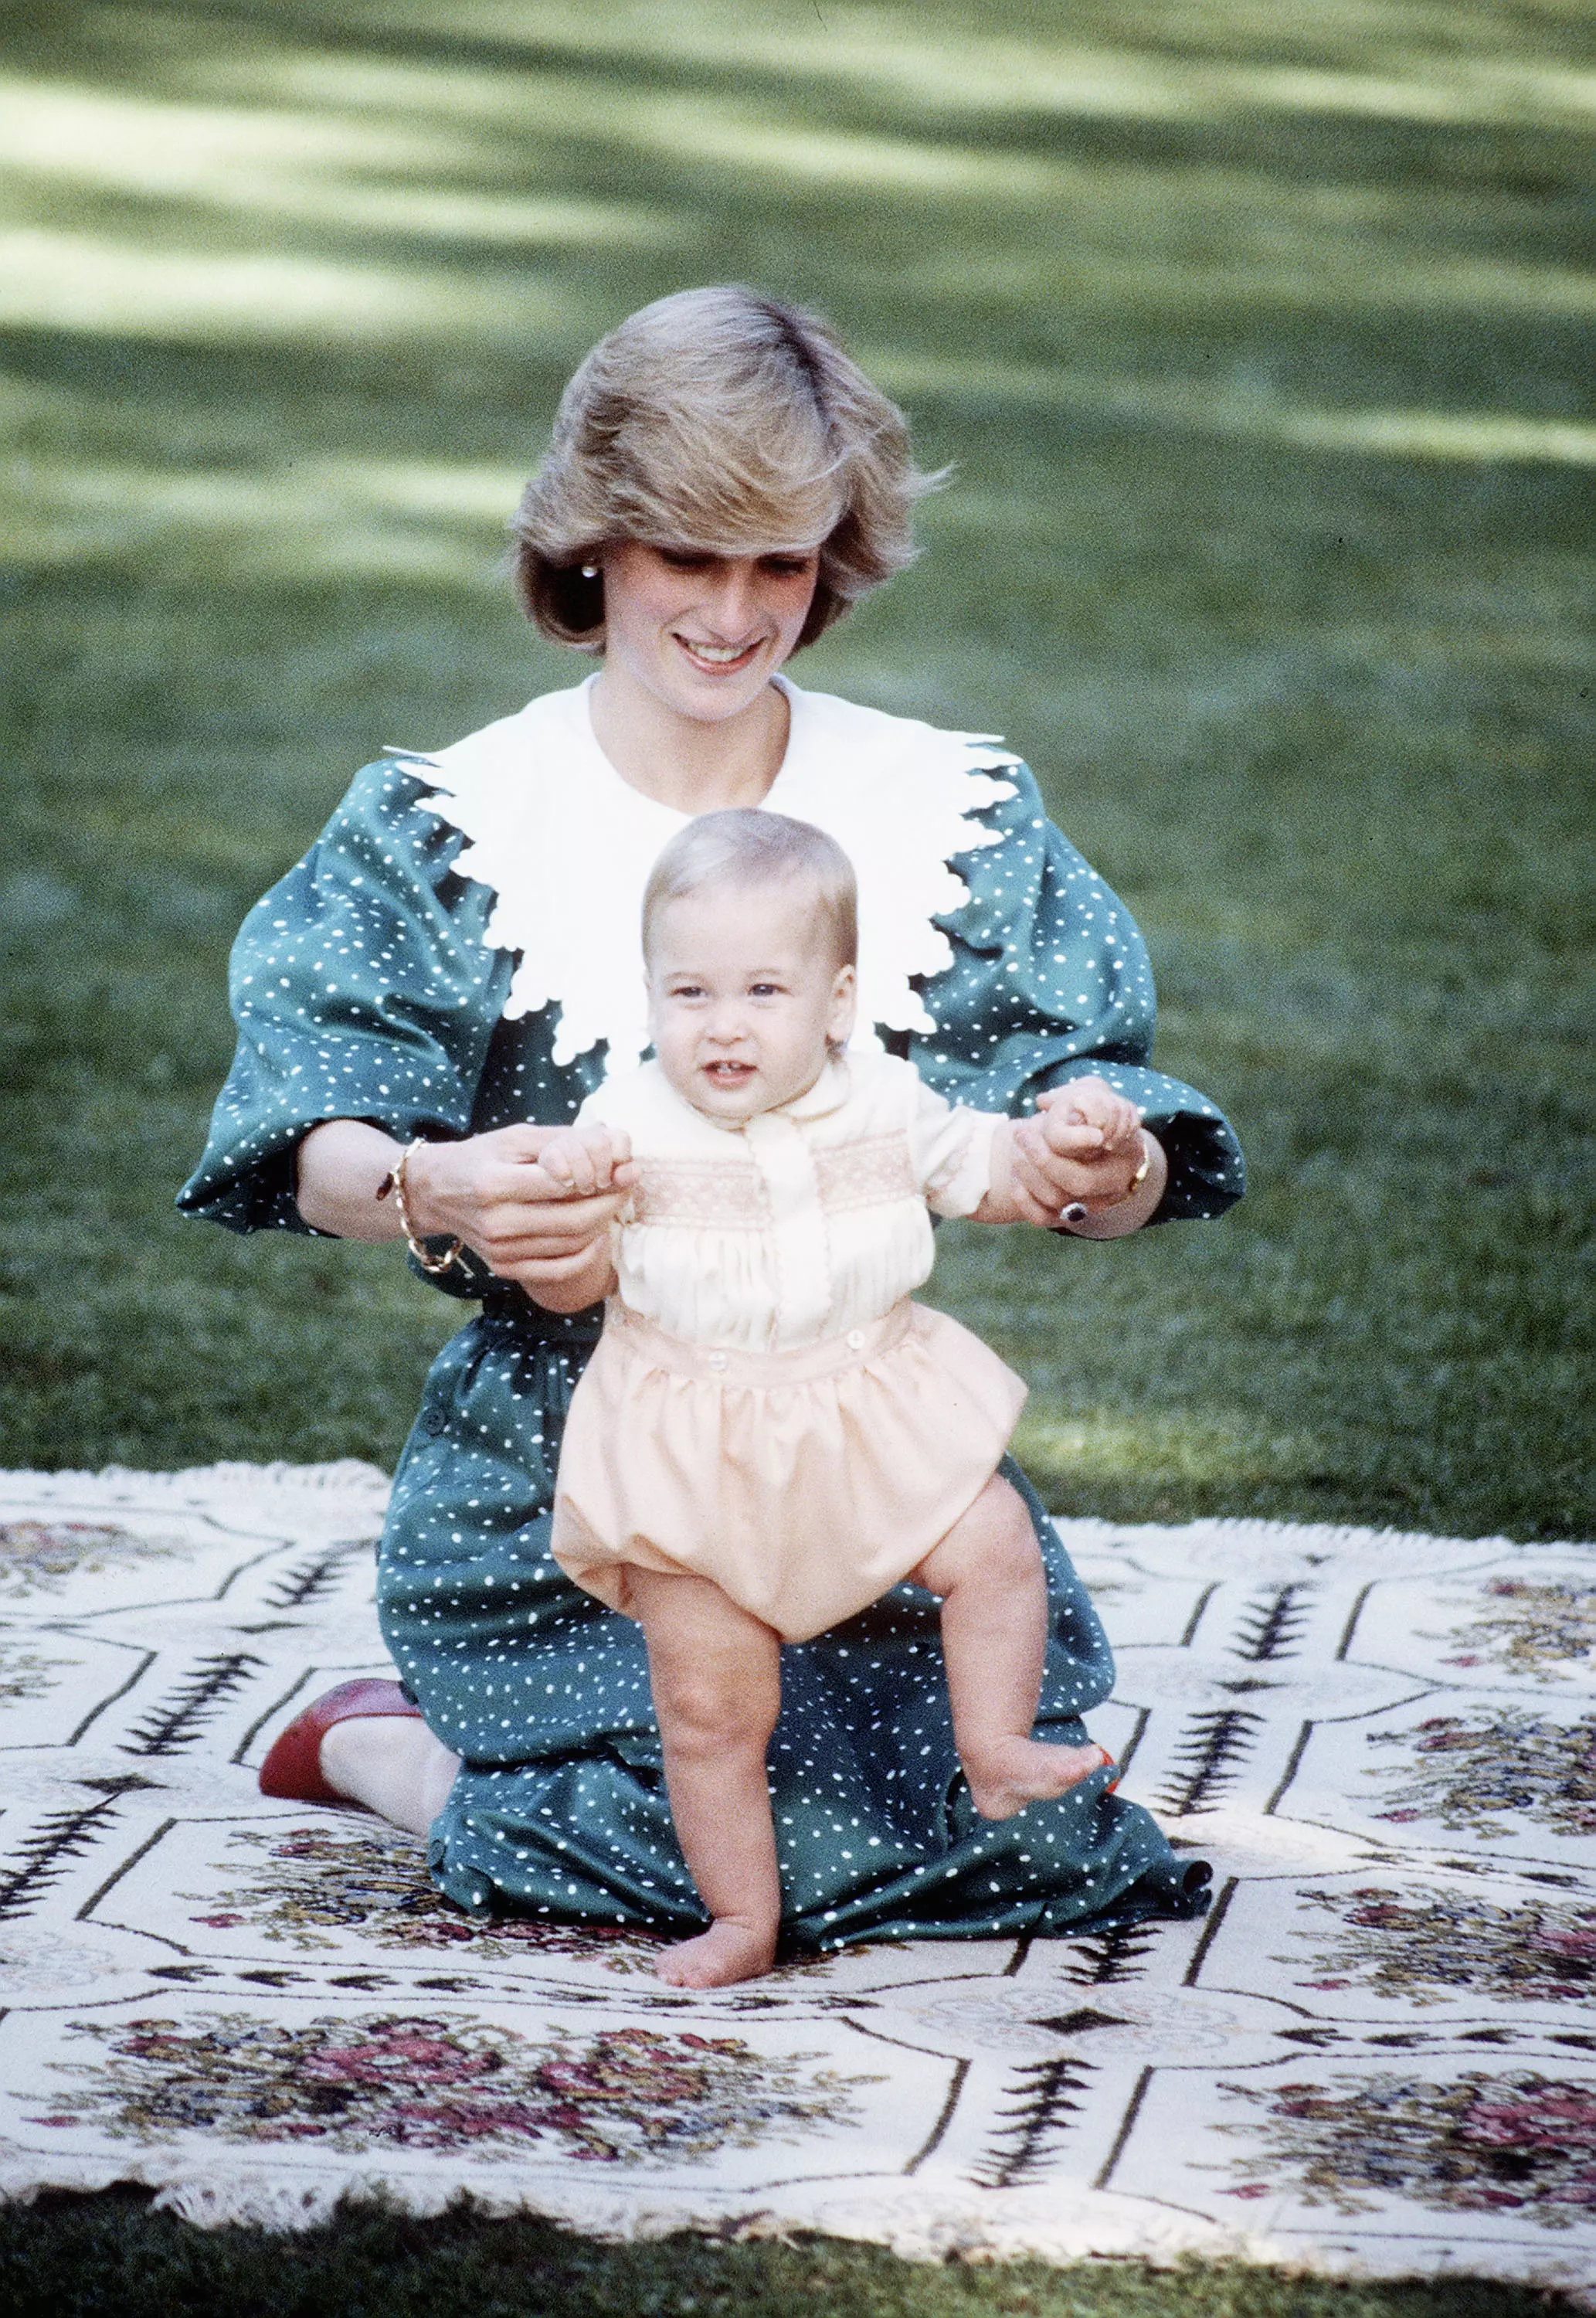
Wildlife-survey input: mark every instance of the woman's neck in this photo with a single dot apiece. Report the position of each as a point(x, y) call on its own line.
point(692, 765)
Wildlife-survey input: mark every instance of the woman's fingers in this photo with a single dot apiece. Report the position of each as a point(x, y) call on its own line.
point(1043, 1174)
point(506, 1146)
point(1055, 1179)
point(591, 1175)
point(546, 1226)
point(472, 1188)
point(1032, 1209)
point(569, 1286)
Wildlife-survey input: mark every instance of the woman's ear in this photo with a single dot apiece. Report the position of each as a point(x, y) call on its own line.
point(845, 994)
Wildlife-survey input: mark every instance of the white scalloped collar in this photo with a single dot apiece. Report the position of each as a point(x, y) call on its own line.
point(566, 845)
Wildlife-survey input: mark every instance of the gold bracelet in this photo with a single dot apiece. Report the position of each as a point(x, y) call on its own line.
point(395, 1182)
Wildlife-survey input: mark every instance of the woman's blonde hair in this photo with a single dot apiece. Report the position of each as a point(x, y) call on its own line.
point(719, 420)
point(745, 846)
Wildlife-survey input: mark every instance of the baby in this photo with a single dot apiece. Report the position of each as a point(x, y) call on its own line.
point(770, 1435)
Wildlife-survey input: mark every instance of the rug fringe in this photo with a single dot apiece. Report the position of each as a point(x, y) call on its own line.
point(343, 1475)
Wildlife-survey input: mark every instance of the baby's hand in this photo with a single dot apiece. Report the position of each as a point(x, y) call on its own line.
point(582, 1160)
point(1085, 1120)
point(1081, 1152)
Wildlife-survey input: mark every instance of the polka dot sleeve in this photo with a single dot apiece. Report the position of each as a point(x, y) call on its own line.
point(363, 989)
point(1050, 981)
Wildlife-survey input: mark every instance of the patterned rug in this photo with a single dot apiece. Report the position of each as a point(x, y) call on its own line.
point(1372, 2055)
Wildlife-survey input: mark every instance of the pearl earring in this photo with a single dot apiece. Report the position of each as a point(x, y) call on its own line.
point(589, 570)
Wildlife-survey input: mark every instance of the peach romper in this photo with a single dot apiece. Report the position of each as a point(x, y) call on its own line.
point(766, 1406)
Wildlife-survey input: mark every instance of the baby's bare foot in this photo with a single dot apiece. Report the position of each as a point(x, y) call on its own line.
point(727, 1951)
point(1015, 1771)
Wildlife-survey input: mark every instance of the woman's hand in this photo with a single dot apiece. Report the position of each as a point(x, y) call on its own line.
point(525, 1225)
point(488, 1190)
point(1077, 1161)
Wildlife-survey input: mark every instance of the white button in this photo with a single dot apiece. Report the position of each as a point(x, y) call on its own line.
point(855, 1340)
point(717, 1359)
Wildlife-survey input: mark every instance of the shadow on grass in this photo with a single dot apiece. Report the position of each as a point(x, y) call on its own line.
point(68, 2256)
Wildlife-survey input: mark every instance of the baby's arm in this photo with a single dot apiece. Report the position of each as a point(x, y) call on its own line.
point(1084, 1162)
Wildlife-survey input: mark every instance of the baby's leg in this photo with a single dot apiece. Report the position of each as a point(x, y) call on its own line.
point(716, 1677)
point(988, 1570)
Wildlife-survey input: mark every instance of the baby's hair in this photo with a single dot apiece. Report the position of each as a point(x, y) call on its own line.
point(746, 846)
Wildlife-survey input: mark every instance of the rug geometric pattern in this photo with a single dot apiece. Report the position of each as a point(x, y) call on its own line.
point(1372, 2055)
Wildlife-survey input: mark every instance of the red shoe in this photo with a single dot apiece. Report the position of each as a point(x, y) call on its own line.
point(293, 1770)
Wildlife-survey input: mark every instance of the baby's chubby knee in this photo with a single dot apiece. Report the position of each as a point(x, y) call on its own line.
point(706, 1715)
point(994, 1539)
point(1011, 1537)
point(715, 1669)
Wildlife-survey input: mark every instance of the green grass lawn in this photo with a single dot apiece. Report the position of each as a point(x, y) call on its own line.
point(1258, 339)
point(86, 2257)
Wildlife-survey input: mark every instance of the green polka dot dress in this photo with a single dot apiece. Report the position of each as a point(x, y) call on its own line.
point(387, 979)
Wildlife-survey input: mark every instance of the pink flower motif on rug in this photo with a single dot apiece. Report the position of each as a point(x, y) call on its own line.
point(1465, 1768)
point(40, 1555)
point(316, 1881)
point(1543, 1630)
point(1427, 1948)
point(621, 2096)
point(1523, 2144)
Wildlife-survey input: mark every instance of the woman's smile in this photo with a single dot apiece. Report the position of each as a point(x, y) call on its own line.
point(718, 655)
point(701, 634)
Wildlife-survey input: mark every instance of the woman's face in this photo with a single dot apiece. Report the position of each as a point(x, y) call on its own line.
point(703, 634)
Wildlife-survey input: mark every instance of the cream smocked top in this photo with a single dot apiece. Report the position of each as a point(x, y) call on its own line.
point(802, 1223)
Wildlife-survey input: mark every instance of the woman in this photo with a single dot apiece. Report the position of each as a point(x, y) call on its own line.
point(456, 957)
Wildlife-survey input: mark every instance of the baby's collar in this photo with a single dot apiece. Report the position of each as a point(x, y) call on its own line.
point(828, 1093)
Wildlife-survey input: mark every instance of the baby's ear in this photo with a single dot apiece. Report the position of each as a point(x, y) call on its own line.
point(845, 999)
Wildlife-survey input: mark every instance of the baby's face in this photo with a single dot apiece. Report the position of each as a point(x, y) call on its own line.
point(744, 995)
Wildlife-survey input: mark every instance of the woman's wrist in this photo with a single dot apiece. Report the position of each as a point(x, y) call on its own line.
point(409, 1205)
point(347, 1183)
point(1139, 1204)
point(338, 1168)
point(419, 1164)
